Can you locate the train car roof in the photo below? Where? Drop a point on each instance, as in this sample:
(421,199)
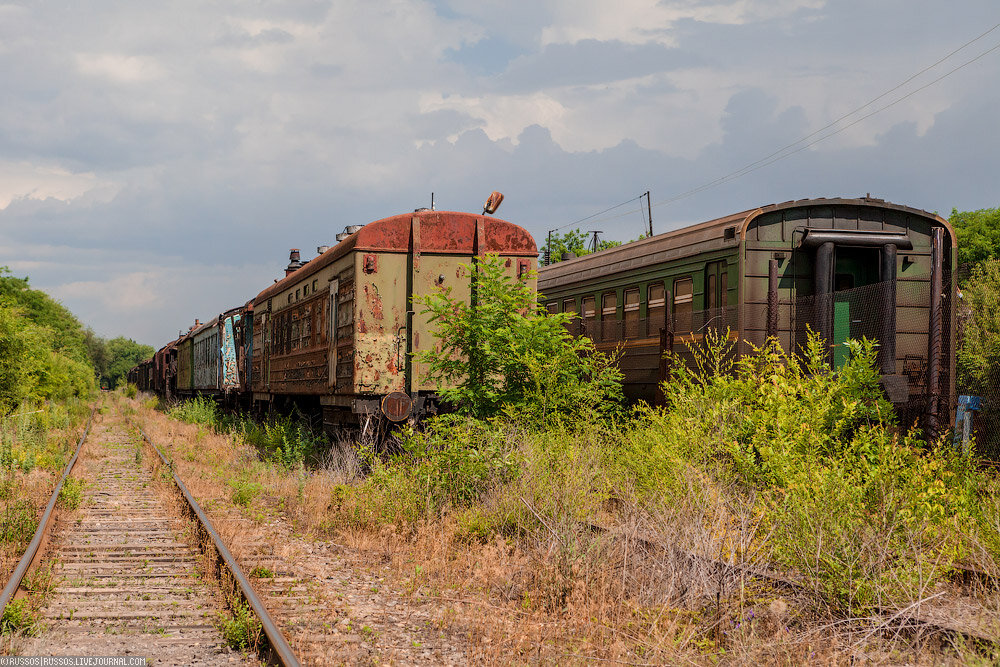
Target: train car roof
(563,270)
(441,232)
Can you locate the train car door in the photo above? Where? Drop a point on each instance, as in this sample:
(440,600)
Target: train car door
(716,298)
(853,268)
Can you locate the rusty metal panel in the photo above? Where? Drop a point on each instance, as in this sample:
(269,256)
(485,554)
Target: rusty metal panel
(436,274)
(185,374)
(207,357)
(347,334)
(258,378)
(298,337)
(380,313)
(298,347)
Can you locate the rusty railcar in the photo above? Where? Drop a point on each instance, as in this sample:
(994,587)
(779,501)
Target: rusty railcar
(165,370)
(184,380)
(206,359)
(845,268)
(339,333)
(141,375)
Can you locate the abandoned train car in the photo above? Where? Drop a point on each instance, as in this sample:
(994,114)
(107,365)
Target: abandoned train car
(338,334)
(845,268)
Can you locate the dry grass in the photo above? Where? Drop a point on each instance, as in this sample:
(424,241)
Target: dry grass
(557,590)
(25,494)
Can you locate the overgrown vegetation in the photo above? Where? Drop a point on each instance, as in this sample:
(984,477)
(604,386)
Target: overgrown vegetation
(240,628)
(541,493)
(284,439)
(505,353)
(978,359)
(978,234)
(978,315)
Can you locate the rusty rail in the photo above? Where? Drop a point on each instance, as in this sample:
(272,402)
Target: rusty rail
(280,653)
(43,526)
(889,617)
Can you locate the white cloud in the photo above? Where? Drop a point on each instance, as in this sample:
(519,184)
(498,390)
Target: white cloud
(132,293)
(22,180)
(504,117)
(643,21)
(228,132)
(118,67)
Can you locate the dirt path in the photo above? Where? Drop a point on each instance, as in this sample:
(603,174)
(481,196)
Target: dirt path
(127,581)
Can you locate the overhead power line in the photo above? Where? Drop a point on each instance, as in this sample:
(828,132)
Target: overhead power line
(577,222)
(785,151)
(782,154)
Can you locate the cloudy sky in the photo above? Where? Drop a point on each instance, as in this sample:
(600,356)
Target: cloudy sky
(158,160)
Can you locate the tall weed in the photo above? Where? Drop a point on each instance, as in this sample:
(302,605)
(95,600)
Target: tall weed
(198,410)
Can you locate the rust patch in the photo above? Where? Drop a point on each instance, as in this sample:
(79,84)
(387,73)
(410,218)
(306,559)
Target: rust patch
(374,301)
(391,367)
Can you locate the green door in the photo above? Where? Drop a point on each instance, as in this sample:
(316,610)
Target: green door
(854,268)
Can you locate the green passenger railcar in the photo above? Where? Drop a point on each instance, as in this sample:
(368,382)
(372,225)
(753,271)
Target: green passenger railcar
(845,268)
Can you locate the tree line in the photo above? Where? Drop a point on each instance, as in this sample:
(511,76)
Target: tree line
(47,354)
(978,354)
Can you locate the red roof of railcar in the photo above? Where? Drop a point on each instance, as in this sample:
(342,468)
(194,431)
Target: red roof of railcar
(441,232)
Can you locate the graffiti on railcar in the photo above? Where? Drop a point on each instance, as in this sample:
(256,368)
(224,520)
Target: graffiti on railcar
(230,366)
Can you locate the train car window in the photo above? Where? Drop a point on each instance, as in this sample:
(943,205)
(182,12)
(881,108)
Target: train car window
(315,283)
(297,295)
(632,312)
(683,303)
(609,306)
(290,295)
(656,307)
(609,316)
(589,307)
(306,327)
(715,285)
(569,306)
(552,307)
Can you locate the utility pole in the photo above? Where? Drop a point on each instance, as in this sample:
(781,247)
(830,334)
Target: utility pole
(649,210)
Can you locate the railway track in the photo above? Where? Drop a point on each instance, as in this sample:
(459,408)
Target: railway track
(128,573)
(952,613)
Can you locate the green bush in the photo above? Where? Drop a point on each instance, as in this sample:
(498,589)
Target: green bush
(200,410)
(506,353)
(71,493)
(18,616)
(245,490)
(31,368)
(284,440)
(18,523)
(240,628)
(839,492)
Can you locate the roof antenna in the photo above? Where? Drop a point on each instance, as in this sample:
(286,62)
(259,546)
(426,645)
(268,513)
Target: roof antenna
(432,201)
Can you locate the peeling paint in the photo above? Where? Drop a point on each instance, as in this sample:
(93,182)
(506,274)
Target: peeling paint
(374,301)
